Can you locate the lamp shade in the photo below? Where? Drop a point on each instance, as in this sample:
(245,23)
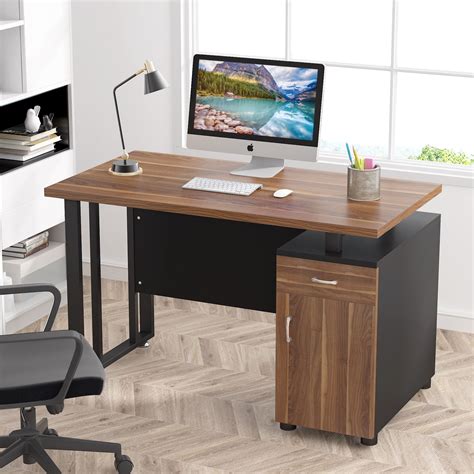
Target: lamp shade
(154,81)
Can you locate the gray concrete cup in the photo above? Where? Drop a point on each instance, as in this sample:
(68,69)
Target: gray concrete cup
(363,185)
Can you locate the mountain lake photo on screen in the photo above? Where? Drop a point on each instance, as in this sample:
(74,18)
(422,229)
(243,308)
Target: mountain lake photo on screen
(253,99)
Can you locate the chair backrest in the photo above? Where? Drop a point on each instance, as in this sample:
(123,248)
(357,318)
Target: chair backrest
(43,338)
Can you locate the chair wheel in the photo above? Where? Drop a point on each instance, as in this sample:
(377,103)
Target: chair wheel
(123,464)
(51,432)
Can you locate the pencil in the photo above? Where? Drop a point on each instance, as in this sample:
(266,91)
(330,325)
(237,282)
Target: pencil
(359,161)
(349,154)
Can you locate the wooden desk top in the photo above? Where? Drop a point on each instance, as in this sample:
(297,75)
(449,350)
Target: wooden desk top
(318,202)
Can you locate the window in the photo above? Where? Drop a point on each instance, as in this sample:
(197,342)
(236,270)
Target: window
(400,73)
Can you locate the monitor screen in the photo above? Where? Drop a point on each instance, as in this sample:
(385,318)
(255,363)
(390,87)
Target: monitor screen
(255,99)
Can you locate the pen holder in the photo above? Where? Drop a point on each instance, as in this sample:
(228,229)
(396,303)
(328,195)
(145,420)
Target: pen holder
(363,185)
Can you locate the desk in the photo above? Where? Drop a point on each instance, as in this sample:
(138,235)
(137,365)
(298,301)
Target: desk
(318,203)
(212,247)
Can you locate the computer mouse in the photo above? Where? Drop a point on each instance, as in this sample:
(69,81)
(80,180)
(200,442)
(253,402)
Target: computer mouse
(282,193)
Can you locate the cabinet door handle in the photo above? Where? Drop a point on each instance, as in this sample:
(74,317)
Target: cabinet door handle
(288,321)
(324,282)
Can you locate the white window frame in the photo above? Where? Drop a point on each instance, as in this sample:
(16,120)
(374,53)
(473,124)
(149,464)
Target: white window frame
(419,170)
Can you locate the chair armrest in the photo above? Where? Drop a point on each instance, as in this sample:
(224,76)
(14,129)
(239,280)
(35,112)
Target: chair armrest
(50,336)
(36,288)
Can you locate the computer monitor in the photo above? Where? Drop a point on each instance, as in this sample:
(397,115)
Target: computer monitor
(264,108)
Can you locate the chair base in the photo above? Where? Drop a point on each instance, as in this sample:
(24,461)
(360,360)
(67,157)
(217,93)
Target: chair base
(33,439)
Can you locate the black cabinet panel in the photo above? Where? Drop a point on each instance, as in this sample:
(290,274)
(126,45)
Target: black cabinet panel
(361,251)
(210,260)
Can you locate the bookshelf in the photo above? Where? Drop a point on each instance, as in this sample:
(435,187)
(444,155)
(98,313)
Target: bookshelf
(29,76)
(46,265)
(11,58)
(54,100)
(20,268)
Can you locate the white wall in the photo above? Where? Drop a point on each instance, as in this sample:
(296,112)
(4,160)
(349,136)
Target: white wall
(456,282)
(110,41)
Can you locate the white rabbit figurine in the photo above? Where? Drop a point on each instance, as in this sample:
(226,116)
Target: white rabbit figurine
(32,121)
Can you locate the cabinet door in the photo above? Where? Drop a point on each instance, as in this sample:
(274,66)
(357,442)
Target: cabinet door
(47,45)
(325,373)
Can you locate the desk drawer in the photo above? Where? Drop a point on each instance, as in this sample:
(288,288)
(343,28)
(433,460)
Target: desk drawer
(326,280)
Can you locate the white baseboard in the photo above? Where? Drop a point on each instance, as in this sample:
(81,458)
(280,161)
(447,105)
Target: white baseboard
(110,270)
(451,320)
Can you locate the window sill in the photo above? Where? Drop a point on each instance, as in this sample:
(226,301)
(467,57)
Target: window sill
(411,170)
(414,171)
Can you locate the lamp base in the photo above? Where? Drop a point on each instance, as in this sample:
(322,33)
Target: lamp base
(125,168)
(140,171)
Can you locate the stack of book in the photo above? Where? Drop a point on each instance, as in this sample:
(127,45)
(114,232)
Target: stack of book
(18,144)
(27,247)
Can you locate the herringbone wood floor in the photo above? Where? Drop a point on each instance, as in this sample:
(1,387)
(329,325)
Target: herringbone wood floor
(201,399)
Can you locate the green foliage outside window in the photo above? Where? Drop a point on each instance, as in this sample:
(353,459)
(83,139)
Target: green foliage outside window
(216,84)
(443,155)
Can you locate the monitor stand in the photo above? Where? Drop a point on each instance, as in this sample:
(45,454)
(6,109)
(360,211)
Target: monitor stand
(261,167)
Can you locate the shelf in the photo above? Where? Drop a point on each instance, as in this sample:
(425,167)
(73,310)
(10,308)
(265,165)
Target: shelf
(8,24)
(51,101)
(19,268)
(9,97)
(10,165)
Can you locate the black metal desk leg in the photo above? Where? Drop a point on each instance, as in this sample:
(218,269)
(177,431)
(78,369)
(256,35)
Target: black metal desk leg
(147,317)
(96,287)
(75,289)
(132,294)
(140,305)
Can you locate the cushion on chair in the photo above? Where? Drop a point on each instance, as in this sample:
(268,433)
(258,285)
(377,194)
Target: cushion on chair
(34,371)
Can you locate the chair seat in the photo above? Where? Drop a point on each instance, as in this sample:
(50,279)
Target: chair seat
(35,370)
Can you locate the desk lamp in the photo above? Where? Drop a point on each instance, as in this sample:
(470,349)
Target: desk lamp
(154,81)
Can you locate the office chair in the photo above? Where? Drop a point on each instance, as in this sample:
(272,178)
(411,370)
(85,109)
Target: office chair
(45,368)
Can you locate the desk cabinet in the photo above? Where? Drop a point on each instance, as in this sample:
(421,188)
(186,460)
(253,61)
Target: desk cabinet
(355,332)
(326,332)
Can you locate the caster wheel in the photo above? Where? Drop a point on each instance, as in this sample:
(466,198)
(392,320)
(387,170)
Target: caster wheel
(369,441)
(123,464)
(51,432)
(27,459)
(286,427)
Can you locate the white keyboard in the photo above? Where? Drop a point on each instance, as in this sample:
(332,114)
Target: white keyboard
(222,186)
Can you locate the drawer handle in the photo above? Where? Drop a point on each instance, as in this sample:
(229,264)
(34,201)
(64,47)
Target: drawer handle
(324,282)
(288,321)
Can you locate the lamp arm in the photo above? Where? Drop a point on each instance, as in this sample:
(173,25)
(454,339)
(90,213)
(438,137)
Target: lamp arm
(125,154)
